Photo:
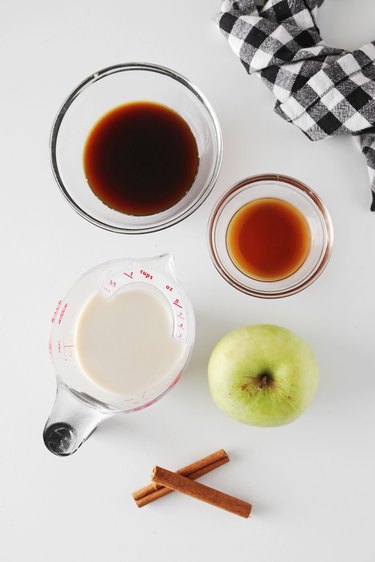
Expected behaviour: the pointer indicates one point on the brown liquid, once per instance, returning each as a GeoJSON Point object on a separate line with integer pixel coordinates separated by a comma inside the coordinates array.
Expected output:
{"type": "Point", "coordinates": [268, 239]}
{"type": "Point", "coordinates": [141, 158]}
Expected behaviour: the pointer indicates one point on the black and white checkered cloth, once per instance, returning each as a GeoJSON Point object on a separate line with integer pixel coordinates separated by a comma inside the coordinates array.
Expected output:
{"type": "Point", "coordinates": [323, 90]}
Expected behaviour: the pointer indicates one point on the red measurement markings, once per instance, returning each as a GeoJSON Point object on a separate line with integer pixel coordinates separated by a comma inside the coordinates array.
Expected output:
{"type": "Point", "coordinates": [181, 326]}
{"type": "Point", "coordinates": [169, 288]}
{"type": "Point", "coordinates": [56, 311]}
{"type": "Point", "coordinates": [128, 274]}
{"type": "Point", "coordinates": [62, 313]}
{"type": "Point", "coordinates": [179, 315]}
{"type": "Point", "coordinates": [111, 284]}
{"type": "Point", "coordinates": [146, 274]}
{"type": "Point", "coordinates": [177, 303]}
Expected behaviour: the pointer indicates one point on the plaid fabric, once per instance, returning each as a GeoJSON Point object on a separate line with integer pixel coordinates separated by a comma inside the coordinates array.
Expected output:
{"type": "Point", "coordinates": [322, 90]}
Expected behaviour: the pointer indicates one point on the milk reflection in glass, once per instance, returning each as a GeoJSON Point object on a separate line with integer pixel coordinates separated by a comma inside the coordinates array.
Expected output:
{"type": "Point", "coordinates": [125, 343]}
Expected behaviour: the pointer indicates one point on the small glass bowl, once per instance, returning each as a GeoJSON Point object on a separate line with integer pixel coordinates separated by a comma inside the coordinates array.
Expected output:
{"type": "Point", "coordinates": [304, 200]}
{"type": "Point", "coordinates": [115, 86]}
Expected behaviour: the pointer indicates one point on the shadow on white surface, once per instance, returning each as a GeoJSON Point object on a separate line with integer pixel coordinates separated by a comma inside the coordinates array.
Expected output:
{"type": "Point", "coordinates": [345, 24]}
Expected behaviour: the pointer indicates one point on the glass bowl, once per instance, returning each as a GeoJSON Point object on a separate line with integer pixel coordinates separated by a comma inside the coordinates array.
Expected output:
{"type": "Point", "coordinates": [304, 200]}
{"type": "Point", "coordinates": [110, 88]}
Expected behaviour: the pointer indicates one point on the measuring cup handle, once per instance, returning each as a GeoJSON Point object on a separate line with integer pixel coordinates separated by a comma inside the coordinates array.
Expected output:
{"type": "Point", "coordinates": [70, 423]}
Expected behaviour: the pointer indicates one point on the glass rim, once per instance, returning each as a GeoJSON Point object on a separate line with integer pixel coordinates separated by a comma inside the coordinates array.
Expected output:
{"type": "Point", "coordinates": [320, 207]}
{"type": "Point", "coordinates": [124, 67]}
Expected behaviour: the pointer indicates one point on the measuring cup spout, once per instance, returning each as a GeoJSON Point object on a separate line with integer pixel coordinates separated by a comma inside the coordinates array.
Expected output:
{"type": "Point", "coordinates": [70, 423]}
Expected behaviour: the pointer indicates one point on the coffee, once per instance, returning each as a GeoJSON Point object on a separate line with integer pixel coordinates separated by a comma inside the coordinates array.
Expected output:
{"type": "Point", "coordinates": [268, 239]}
{"type": "Point", "coordinates": [141, 158]}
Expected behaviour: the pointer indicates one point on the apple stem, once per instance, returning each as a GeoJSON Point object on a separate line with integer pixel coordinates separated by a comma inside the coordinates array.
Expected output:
{"type": "Point", "coordinates": [264, 381]}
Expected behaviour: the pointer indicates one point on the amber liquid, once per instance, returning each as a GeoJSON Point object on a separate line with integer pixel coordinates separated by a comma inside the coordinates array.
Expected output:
{"type": "Point", "coordinates": [141, 158]}
{"type": "Point", "coordinates": [268, 239]}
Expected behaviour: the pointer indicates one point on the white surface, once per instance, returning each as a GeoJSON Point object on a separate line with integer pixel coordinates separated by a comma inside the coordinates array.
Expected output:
{"type": "Point", "coordinates": [311, 483]}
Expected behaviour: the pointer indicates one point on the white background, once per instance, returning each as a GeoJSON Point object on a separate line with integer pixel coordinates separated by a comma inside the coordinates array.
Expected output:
{"type": "Point", "coordinates": [312, 482]}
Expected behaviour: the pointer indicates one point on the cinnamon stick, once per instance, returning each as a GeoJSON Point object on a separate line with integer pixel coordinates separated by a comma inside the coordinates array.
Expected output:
{"type": "Point", "coordinates": [180, 483]}
{"type": "Point", "coordinates": [161, 491]}
{"type": "Point", "coordinates": [153, 491]}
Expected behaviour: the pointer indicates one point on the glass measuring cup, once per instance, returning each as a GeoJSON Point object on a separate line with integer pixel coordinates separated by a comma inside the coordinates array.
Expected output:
{"type": "Point", "coordinates": [81, 403]}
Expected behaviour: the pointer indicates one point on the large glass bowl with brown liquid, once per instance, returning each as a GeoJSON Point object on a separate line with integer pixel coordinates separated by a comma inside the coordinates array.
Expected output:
{"type": "Point", "coordinates": [270, 236]}
{"type": "Point", "coordinates": [136, 148]}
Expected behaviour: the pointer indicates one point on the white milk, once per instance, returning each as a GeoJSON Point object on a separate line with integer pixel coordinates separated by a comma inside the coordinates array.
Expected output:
{"type": "Point", "coordinates": [125, 343]}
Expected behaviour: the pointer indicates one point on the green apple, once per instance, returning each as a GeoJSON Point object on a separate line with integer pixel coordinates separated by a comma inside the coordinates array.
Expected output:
{"type": "Point", "coordinates": [262, 375]}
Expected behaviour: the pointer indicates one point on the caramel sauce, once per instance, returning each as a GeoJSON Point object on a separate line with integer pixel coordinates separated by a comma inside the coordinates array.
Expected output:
{"type": "Point", "coordinates": [268, 239]}
{"type": "Point", "coordinates": [141, 158]}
